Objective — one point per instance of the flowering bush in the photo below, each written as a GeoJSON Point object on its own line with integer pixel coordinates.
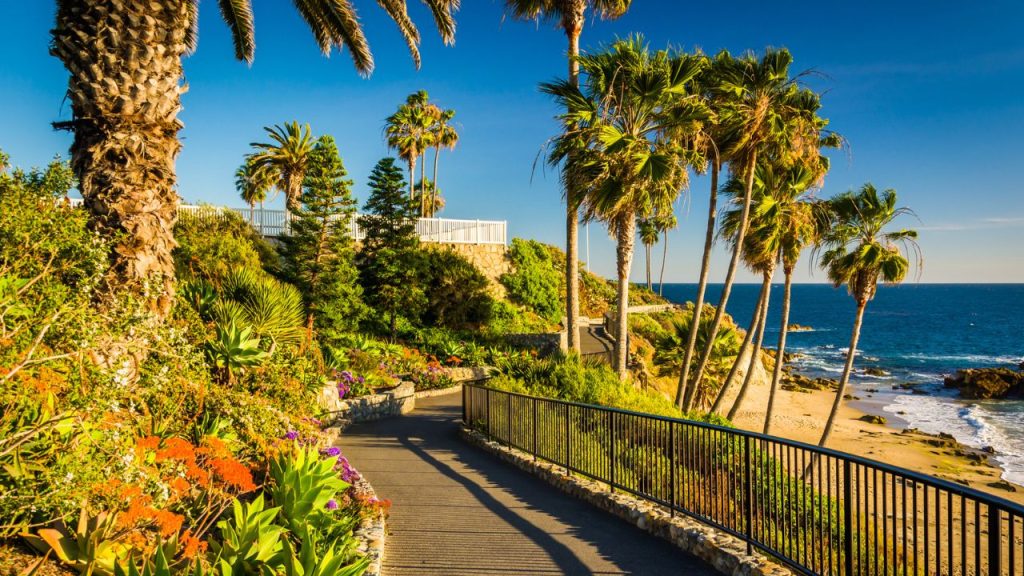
{"type": "Point", "coordinates": [431, 377]}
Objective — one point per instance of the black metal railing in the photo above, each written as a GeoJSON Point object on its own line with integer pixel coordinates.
{"type": "Point", "coordinates": [816, 510]}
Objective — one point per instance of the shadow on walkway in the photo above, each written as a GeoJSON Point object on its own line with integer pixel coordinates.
{"type": "Point", "coordinates": [459, 510]}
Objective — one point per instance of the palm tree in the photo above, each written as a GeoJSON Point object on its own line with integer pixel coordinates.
{"type": "Point", "coordinates": [670, 350]}
{"type": "Point", "coordinates": [797, 217]}
{"type": "Point", "coordinates": [761, 110]}
{"type": "Point", "coordinates": [285, 159]}
{"type": "Point", "coordinates": [648, 237]}
{"type": "Point", "coordinates": [444, 136]}
{"type": "Point", "coordinates": [621, 146]}
{"type": "Point", "coordinates": [860, 253]}
{"type": "Point", "coordinates": [409, 131]}
{"type": "Point", "coordinates": [570, 16]}
{"type": "Point", "coordinates": [253, 185]}
{"type": "Point", "coordinates": [663, 223]}
{"type": "Point", "coordinates": [124, 60]}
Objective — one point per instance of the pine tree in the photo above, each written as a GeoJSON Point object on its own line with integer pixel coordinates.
{"type": "Point", "coordinates": [319, 254]}
{"type": "Point", "coordinates": [388, 260]}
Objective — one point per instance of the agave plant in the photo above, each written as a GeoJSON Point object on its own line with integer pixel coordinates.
{"type": "Point", "coordinates": [304, 485]}
{"type": "Point", "coordinates": [250, 541]}
{"type": "Point", "coordinates": [201, 295]}
{"type": "Point", "coordinates": [314, 559]}
{"type": "Point", "coordinates": [233, 350]}
{"type": "Point", "coordinates": [90, 549]}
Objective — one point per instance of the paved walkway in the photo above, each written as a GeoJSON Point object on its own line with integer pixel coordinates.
{"type": "Point", "coordinates": [458, 510]}
{"type": "Point", "coordinates": [595, 343]}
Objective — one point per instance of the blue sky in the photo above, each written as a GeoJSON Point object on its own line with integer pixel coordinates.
{"type": "Point", "coordinates": [930, 96]}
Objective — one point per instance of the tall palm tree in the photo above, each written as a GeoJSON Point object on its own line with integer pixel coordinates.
{"type": "Point", "coordinates": [285, 159]}
{"type": "Point", "coordinates": [253, 185]}
{"type": "Point", "coordinates": [569, 15]}
{"type": "Point", "coordinates": [859, 252]}
{"type": "Point", "coordinates": [620, 146]}
{"type": "Point", "coordinates": [444, 136]}
{"type": "Point", "coordinates": [670, 350]}
{"type": "Point", "coordinates": [409, 131]}
{"type": "Point", "coordinates": [648, 237]}
{"type": "Point", "coordinates": [762, 110]}
{"type": "Point", "coordinates": [797, 217]}
{"type": "Point", "coordinates": [663, 223]}
{"type": "Point", "coordinates": [124, 60]}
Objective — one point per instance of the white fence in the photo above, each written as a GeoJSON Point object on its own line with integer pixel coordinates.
{"type": "Point", "coordinates": [443, 230]}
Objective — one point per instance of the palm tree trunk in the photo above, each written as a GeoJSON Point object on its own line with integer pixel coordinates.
{"type": "Point", "coordinates": [684, 397]}
{"type": "Point", "coordinates": [730, 275]}
{"type": "Point", "coordinates": [623, 263]}
{"type": "Point", "coordinates": [125, 102]}
{"type": "Point", "coordinates": [423, 185]}
{"type": "Point", "coordinates": [862, 304]}
{"type": "Point", "coordinates": [756, 353]}
{"type": "Point", "coordinates": [780, 351]}
{"type": "Point", "coordinates": [573, 26]}
{"type": "Point", "coordinates": [664, 256]}
{"type": "Point", "coordinates": [412, 177]}
{"type": "Point", "coordinates": [433, 191]}
{"type": "Point", "coordinates": [755, 322]}
{"type": "Point", "coordinates": [647, 251]}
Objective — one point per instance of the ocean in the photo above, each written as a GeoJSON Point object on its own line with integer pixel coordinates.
{"type": "Point", "coordinates": [916, 333]}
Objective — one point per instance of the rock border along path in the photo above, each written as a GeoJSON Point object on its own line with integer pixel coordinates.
{"type": "Point", "coordinates": [459, 510]}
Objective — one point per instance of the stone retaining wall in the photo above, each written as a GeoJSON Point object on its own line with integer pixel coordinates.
{"type": "Point", "coordinates": [371, 533]}
{"type": "Point", "coordinates": [725, 553]}
{"type": "Point", "coordinates": [398, 400]}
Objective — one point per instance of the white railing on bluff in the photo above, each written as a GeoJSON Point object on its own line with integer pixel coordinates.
{"type": "Point", "coordinates": [443, 230]}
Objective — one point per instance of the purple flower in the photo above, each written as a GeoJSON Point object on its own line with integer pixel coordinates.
{"type": "Point", "coordinates": [331, 452]}
{"type": "Point", "coordinates": [291, 435]}
{"type": "Point", "coordinates": [332, 504]}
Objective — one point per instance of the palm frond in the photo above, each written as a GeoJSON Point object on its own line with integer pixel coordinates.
{"type": "Point", "coordinates": [238, 16]}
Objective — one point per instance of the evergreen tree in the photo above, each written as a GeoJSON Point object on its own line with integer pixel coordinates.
{"type": "Point", "coordinates": [319, 254]}
{"type": "Point", "coordinates": [388, 261]}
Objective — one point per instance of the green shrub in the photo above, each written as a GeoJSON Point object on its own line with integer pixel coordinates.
{"type": "Point", "coordinates": [535, 281]}
{"type": "Point", "coordinates": [213, 242]}
{"type": "Point", "coordinates": [456, 291]}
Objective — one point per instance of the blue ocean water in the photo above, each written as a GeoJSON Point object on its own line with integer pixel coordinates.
{"type": "Point", "coordinates": [916, 333]}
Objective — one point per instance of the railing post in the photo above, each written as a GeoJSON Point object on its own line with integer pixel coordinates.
{"type": "Point", "coordinates": [477, 231]}
{"type": "Point", "coordinates": [995, 540]}
{"type": "Point", "coordinates": [672, 468]}
{"type": "Point", "coordinates": [568, 442]}
{"type": "Point", "coordinates": [465, 414]}
{"type": "Point", "coordinates": [611, 449]}
{"type": "Point", "coordinates": [847, 518]}
{"type": "Point", "coordinates": [748, 505]}
{"type": "Point", "coordinates": [508, 440]}
{"type": "Point", "coordinates": [534, 428]}
{"type": "Point", "coordinates": [487, 413]}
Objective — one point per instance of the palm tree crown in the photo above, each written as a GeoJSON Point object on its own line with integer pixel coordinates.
{"type": "Point", "coordinates": [285, 159]}
{"type": "Point", "coordinates": [858, 251]}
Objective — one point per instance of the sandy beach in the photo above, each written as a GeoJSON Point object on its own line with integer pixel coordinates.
{"type": "Point", "coordinates": [801, 416]}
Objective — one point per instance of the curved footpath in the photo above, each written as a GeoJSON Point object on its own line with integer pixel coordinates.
{"type": "Point", "coordinates": [459, 510]}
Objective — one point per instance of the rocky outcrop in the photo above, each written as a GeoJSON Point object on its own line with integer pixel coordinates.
{"type": "Point", "coordinates": [799, 328]}
{"type": "Point", "coordinates": [988, 383]}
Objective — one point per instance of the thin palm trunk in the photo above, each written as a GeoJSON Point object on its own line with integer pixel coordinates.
{"type": "Point", "coordinates": [423, 185]}
{"type": "Point", "coordinates": [124, 104]}
{"type": "Point", "coordinates": [664, 256]}
{"type": "Point", "coordinates": [433, 191]}
{"type": "Point", "coordinates": [412, 176]}
{"type": "Point", "coordinates": [730, 275]}
{"type": "Point", "coordinates": [755, 354]}
{"type": "Point", "coordinates": [850, 355]}
{"type": "Point", "coordinates": [747, 339]}
{"type": "Point", "coordinates": [572, 257]}
{"type": "Point", "coordinates": [647, 251]}
{"type": "Point", "coordinates": [684, 397]}
{"type": "Point", "coordinates": [624, 262]}
{"type": "Point", "coordinates": [780, 352]}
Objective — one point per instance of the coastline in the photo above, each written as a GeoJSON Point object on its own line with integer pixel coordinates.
{"type": "Point", "coordinates": [801, 415]}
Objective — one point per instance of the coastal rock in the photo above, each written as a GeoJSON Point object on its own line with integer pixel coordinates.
{"type": "Point", "coordinates": [1003, 485]}
{"type": "Point", "coordinates": [875, 372]}
{"type": "Point", "coordinates": [800, 328]}
{"type": "Point", "coordinates": [987, 383]}
{"type": "Point", "coordinates": [872, 419]}
{"type": "Point", "coordinates": [801, 383]}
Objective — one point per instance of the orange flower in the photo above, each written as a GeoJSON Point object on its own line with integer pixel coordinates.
{"type": "Point", "coordinates": [167, 522]}
{"type": "Point", "coordinates": [147, 443]}
{"type": "Point", "coordinates": [192, 546]}
{"type": "Point", "coordinates": [233, 473]}
{"type": "Point", "coordinates": [215, 447]}
{"type": "Point", "coordinates": [176, 449]}
{"type": "Point", "coordinates": [179, 485]}
{"type": "Point", "coordinates": [200, 476]}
